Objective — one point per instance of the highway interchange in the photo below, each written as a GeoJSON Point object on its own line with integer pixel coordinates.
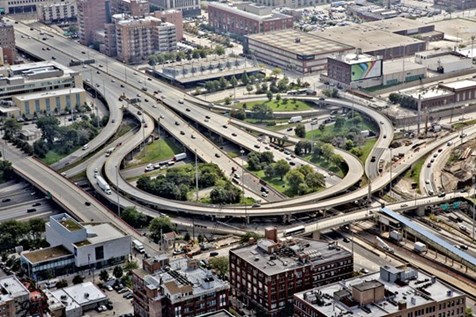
{"type": "Point", "coordinates": [107, 70]}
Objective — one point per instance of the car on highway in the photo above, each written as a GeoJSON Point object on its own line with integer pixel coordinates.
{"type": "Point", "coordinates": [233, 134]}
{"type": "Point", "coordinates": [427, 181]}
{"type": "Point", "coordinates": [267, 148]}
{"type": "Point", "coordinates": [403, 205]}
{"type": "Point", "coordinates": [87, 203]}
{"type": "Point", "coordinates": [187, 109]}
{"type": "Point", "coordinates": [100, 65]}
{"type": "Point", "coordinates": [440, 150]}
{"type": "Point", "coordinates": [217, 155]}
{"type": "Point", "coordinates": [177, 123]}
{"type": "Point", "coordinates": [428, 165]}
{"type": "Point", "coordinates": [207, 117]}
{"type": "Point", "coordinates": [83, 52]}
{"type": "Point", "coordinates": [182, 133]}
{"type": "Point", "coordinates": [435, 155]}
{"type": "Point", "coordinates": [6, 200]}
{"type": "Point", "coordinates": [85, 147]}
{"type": "Point", "coordinates": [36, 204]}
{"type": "Point", "coordinates": [463, 247]}
{"type": "Point", "coordinates": [214, 253]}
{"type": "Point", "coordinates": [180, 101]}
{"type": "Point", "coordinates": [146, 100]}
{"type": "Point", "coordinates": [31, 210]}
{"type": "Point", "coordinates": [264, 194]}
{"type": "Point", "coordinates": [161, 117]}
{"type": "Point", "coordinates": [364, 271]}
{"type": "Point", "coordinates": [224, 126]}
{"type": "Point", "coordinates": [122, 86]}
{"type": "Point", "coordinates": [257, 146]}
{"type": "Point", "coordinates": [346, 240]}
{"type": "Point", "coordinates": [289, 129]}
{"type": "Point", "coordinates": [149, 79]}
{"type": "Point", "coordinates": [193, 136]}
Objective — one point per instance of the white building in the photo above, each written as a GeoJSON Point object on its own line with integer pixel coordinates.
{"type": "Point", "coordinates": [443, 62]}
{"type": "Point", "coordinates": [75, 246]}
{"type": "Point", "coordinates": [57, 11]}
{"type": "Point", "coordinates": [14, 297]}
{"type": "Point", "coordinates": [34, 78]}
{"type": "Point", "coordinates": [73, 301]}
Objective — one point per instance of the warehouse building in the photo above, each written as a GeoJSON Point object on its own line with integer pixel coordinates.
{"type": "Point", "coordinates": [294, 50]}
{"type": "Point", "coordinates": [268, 273]}
{"type": "Point", "coordinates": [443, 62]}
{"type": "Point", "coordinates": [389, 293]}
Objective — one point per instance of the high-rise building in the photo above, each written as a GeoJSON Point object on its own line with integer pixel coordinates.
{"type": "Point", "coordinates": [137, 39]}
{"type": "Point", "coordinates": [7, 44]}
{"type": "Point", "coordinates": [267, 274]}
{"type": "Point", "coordinates": [180, 287]}
{"type": "Point", "coordinates": [172, 16]}
{"type": "Point", "coordinates": [189, 8]}
{"type": "Point", "coordinates": [391, 292]}
{"type": "Point", "coordinates": [14, 297]}
{"type": "Point", "coordinates": [246, 18]}
{"type": "Point", "coordinates": [92, 15]}
{"type": "Point", "coordinates": [57, 11]}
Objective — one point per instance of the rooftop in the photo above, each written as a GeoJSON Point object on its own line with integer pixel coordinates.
{"type": "Point", "coordinates": [46, 254]}
{"type": "Point", "coordinates": [49, 93]}
{"type": "Point", "coordinates": [397, 65]}
{"type": "Point", "coordinates": [221, 313]}
{"type": "Point", "coordinates": [462, 84]}
{"type": "Point", "coordinates": [19, 68]}
{"type": "Point", "coordinates": [288, 258]}
{"type": "Point", "coordinates": [396, 24]}
{"type": "Point", "coordinates": [299, 43]}
{"type": "Point", "coordinates": [353, 58]}
{"type": "Point", "coordinates": [429, 93]}
{"type": "Point", "coordinates": [82, 294]}
{"type": "Point", "coordinates": [102, 232]}
{"type": "Point", "coordinates": [419, 289]}
{"type": "Point", "coordinates": [250, 11]}
{"type": "Point", "coordinates": [11, 287]}
{"type": "Point", "coordinates": [366, 38]}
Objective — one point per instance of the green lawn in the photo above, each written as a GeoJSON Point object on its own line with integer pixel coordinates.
{"type": "Point", "coordinates": [52, 157]}
{"type": "Point", "coordinates": [414, 172]}
{"type": "Point", "coordinates": [281, 106]}
{"type": "Point", "coordinates": [330, 131]}
{"type": "Point", "coordinates": [326, 165]}
{"type": "Point", "coordinates": [460, 125]}
{"type": "Point", "coordinates": [366, 149]}
{"type": "Point", "coordinates": [276, 183]}
{"type": "Point", "coordinates": [159, 150]}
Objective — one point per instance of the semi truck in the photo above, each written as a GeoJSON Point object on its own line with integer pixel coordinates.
{"type": "Point", "coordinates": [180, 156]}
{"type": "Point", "coordinates": [295, 119]}
{"type": "Point", "coordinates": [420, 247]}
{"type": "Point", "coordinates": [103, 184]}
{"type": "Point", "coordinates": [136, 244]}
{"type": "Point", "coordinates": [384, 245]}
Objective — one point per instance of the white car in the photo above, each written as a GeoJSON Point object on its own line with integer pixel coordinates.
{"type": "Point", "coordinates": [149, 167]}
{"type": "Point", "coordinates": [180, 101]}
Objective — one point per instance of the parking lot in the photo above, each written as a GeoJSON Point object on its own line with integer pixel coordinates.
{"type": "Point", "coordinates": [121, 305]}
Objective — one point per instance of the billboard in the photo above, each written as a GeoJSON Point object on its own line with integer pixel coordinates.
{"type": "Point", "coordinates": [366, 70]}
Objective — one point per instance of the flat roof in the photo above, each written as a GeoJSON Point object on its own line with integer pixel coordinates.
{"type": "Point", "coordinates": [250, 15]}
{"type": "Point", "coordinates": [397, 66]}
{"type": "Point", "coordinates": [11, 287]}
{"type": "Point", "coordinates": [29, 66]}
{"type": "Point", "coordinates": [428, 93]}
{"type": "Point", "coordinates": [309, 43]}
{"type": "Point", "coordinates": [317, 250]}
{"type": "Point", "coordinates": [46, 254]}
{"type": "Point", "coordinates": [462, 84]}
{"type": "Point", "coordinates": [368, 39]}
{"type": "Point", "coordinates": [102, 232]}
{"type": "Point", "coordinates": [85, 293]}
{"type": "Point", "coordinates": [430, 236]}
{"type": "Point", "coordinates": [220, 313]}
{"type": "Point", "coordinates": [462, 28]}
{"type": "Point", "coordinates": [407, 292]}
{"type": "Point", "coordinates": [49, 93]}
{"type": "Point", "coordinates": [397, 24]}
{"type": "Point", "coordinates": [353, 58]}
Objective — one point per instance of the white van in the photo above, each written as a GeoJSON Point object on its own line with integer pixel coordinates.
{"type": "Point", "coordinates": [85, 147]}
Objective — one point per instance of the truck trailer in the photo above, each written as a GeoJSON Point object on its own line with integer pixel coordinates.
{"type": "Point", "coordinates": [180, 156]}
{"type": "Point", "coordinates": [103, 184]}
{"type": "Point", "coordinates": [136, 244]}
{"type": "Point", "coordinates": [295, 119]}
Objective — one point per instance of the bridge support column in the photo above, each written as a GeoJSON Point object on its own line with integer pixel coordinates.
{"type": "Point", "coordinates": [316, 235]}
{"type": "Point", "coordinates": [420, 211]}
{"type": "Point", "coordinates": [247, 219]}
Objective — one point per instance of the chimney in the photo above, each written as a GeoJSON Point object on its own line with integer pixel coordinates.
{"type": "Point", "coordinates": [402, 305]}
{"type": "Point", "coordinates": [271, 233]}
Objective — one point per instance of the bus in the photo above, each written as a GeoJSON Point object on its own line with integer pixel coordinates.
{"type": "Point", "coordinates": [294, 231]}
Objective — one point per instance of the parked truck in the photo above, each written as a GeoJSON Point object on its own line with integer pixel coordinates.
{"type": "Point", "coordinates": [295, 119]}
{"type": "Point", "coordinates": [103, 184]}
{"type": "Point", "coordinates": [136, 244]}
{"type": "Point", "coordinates": [420, 247]}
{"type": "Point", "coordinates": [180, 156]}
{"type": "Point", "coordinates": [395, 235]}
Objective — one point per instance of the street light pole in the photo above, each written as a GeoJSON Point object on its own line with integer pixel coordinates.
{"type": "Point", "coordinates": [391, 163]}
{"type": "Point", "coordinates": [242, 152]}
{"type": "Point", "coordinates": [196, 172]}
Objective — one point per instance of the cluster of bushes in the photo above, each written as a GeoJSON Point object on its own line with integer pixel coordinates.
{"type": "Point", "coordinates": [403, 100]}
{"type": "Point", "coordinates": [190, 54]}
{"type": "Point", "coordinates": [28, 234]}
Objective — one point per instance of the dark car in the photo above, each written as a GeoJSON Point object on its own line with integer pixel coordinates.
{"type": "Point", "coordinates": [213, 253]}
{"type": "Point", "coordinates": [122, 86]}
{"type": "Point", "coordinates": [6, 200]}
{"type": "Point", "coordinates": [87, 203]}
{"type": "Point", "coordinates": [177, 123]}
{"type": "Point", "coordinates": [31, 210]}
{"type": "Point", "coordinates": [36, 204]}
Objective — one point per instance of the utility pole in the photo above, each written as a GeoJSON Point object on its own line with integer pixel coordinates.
{"type": "Point", "coordinates": [196, 172]}
{"type": "Point", "coordinates": [117, 192]}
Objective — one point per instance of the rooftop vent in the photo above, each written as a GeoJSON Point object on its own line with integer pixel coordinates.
{"type": "Point", "coordinates": [297, 40]}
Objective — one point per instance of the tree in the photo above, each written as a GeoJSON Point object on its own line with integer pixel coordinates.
{"type": "Point", "coordinates": [394, 97]}
{"type": "Point", "coordinates": [220, 264]}
{"type": "Point", "coordinates": [152, 60]}
{"type": "Point", "coordinates": [262, 111]}
{"type": "Point", "coordinates": [294, 178]}
{"type": "Point", "coordinates": [254, 161]}
{"type": "Point", "coordinates": [72, 29]}
{"type": "Point", "coordinates": [327, 150]}
{"type": "Point", "coordinates": [249, 88]}
{"type": "Point", "coordinates": [186, 237]}
{"type": "Point", "coordinates": [223, 83]}
{"type": "Point", "coordinates": [339, 123]}
{"type": "Point", "coordinates": [248, 235]}
{"type": "Point", "coordinates": [131, 265]}
{"type": "Point", "coordinates": [269, 171]}
{"type": "Point", "coordinates": [283, 84]}
{"type": "Point", "coordinates": [233, 81]}
{"type": "Point", "coordinates": [160, 225]}
{"type": "Point", "coordinates": [281, 168]}
{"type": "Point", "coordinates": [276, 72]}
{"type": "Point", "coordinates": [118, 272]}
{"type": "Point", "coordinates": [77, 279]}
{"type": "Point", "coordinates": [49, 127]}
{"type": "Point", "coordinates": [61, 284]}
{"type": "Point", "coordinates": [245, 79]}
{"type": "Point", "coordinates": [134, 218]}
{"type": "Point", "coordinates": [11, 127]}
{"type": "Point", "coordinates": [219, 50]}
{"type": "Point", "coordinates": [278, 97]}
{"type": "Point", "coordinates": [227, 100]}
{"type": "Point", "coordinates": [300, 130]}
{"type": "Point", "coordinates": [269, 95]}
{"type": "Point", "coordinates": [103, 275]}
{"type": "Point", "coordinates": [331, 93]}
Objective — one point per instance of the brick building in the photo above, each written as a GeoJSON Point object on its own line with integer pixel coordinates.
{"type": "Point", "coordinates": [91, 17]}
{"type": "Point", "coordinates": [449, 94]}
{"type": "Point", "coordinates": [267, 274]}
{"type": "Point", "coordinates": [7, 44]}
{"type": "Point", "coordinates": [391, 292]}
{"type": "Point", "coordinates": [172, 16]}
{"type": "Point", "coordinates": [180, 287]}
{"type": "Point", "coordinates": [246, 18]}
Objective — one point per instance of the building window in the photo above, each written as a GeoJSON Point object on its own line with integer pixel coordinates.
{"type": "Point", "coordinates": [99, 253]}
{"type": "Point", "coordinates": [48, 105]}
{"type": "Point", "coordinates": [27, 107]}
{"type": "Point", "coordinates": [37, 106]}
{"type": "Point", "coordinates": [58, 103]}
{"type": "Point", "coordinates": [78, 99]}
{"type": "Point", "coordinates": [68, 101]}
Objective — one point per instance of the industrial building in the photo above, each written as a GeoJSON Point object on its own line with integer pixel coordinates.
{"type": "Point", "coordinates": [177, 288]}
{"type": "Point", "coordinates": [189, 74]}
{"type": "Point", "coordinates": [74, 301]}
{"type": "Point", "coordinates": [371, 12]}
{"type": "Point", "coordinates": [189, 8]}
{"type": "Point", "coordinates": [14, 297]}
{"type": "Point", "coordinates": [246, 18]}
{"type": "Point", "coordinates": [447, 94]}
{"type": "Point", "coordinates": [388, 293]}
{"type": "Point", "coordinates": [268, 273]}
{"type": "Point", "coordinates": [455, 4]}
{"type": "Point", "coordinates": [75, 246]}
{"type": "Point", "coordinates": [355, 70]}
{"type": "Point", "coordinates": [23, 84]}
{"type": "Point", "coordinates": [294, 50]}
{"type": "Point", "coordinates": [8, 51]}
{"type": "Point", "coordinates": [443, 62]}
{"type": "Point", "coordinates": [57, 11]}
